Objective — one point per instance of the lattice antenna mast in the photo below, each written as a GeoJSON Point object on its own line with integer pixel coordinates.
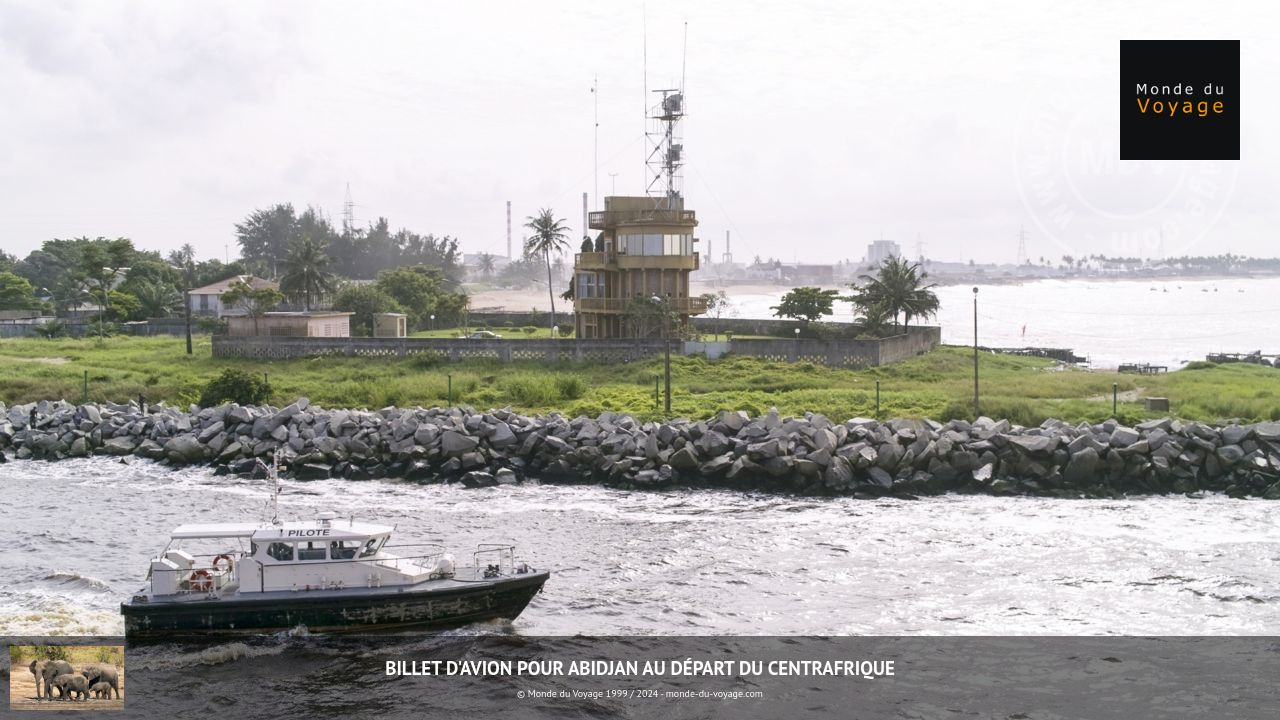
{"type": "Point", "coordinates": [348, 213]}
{"type": "Point", "coordinates": [666, 152]}
{"type": "Point", "coordinates": [1022, 246]}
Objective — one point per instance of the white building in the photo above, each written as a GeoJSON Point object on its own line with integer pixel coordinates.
{"type": "Point", "coordinates": [880, 250]}
{"type": "Point", "coordinates": [207, 300]}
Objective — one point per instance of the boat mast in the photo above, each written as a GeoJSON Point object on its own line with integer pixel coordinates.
{"type": "Point", "coordinates": [273, 474]}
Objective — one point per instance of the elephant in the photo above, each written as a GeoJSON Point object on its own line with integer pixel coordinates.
{"type": "Point", "coordinates": [95, 674]}
{"type": "Point", "coordinates": [101, 691]}
{"type": "Point", "coordinates": [70, 684]}
{"type": "Point", "coordinates": [45, 672]}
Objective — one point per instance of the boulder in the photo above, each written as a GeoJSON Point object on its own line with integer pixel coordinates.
{"type": "Point", "coordinates": [454, 443]}
{"type": "Point", "coordinates": [119, 445]}
{"type": "Point", "coordinates": [184, 448]}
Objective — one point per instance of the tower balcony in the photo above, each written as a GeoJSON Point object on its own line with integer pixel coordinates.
{"type": "Point", "coordinates": [680, 305]}
{"type": "Point", "coordinates": [615, 261]}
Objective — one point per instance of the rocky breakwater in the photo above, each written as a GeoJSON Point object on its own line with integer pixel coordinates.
{"type": "Point", "coordinates": [809, 454]}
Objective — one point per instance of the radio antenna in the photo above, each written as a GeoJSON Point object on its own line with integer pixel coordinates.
{"type": "Point", "coordinates": [684, 55]}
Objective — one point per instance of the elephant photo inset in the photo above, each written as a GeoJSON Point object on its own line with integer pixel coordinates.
{"type": "Point", "coordinates": [66, 677]}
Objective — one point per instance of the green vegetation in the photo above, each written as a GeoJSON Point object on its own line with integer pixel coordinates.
{"type": "Point", "coordinates": [77, 654]}
{"type": "Point", "coordinates": [896, 289]}
{"type": "Point", "coordinates": [549, 236]}
{"type": "Point", "coordinates": [806, 304]}
{"type": "Point", "coordinates": [237, 386]}
{"type": "Point", "coordinates": [937, 385]}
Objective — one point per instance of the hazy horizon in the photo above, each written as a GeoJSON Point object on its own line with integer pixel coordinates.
{"type": "Point", "coordinates": [813, 128]}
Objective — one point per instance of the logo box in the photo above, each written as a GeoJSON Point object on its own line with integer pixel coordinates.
{"type": "Point", "coordinates": [1179, 99]}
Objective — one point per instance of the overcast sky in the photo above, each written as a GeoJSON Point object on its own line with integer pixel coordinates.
{"type": "Point", "coordinates": [813, 127]}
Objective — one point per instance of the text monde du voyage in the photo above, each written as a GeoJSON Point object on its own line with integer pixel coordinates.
{"type": "Point", "coordinates": [1180, 100]}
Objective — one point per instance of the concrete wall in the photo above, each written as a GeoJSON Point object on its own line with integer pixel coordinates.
{"type": "Point", "coordinates": [280, 348]}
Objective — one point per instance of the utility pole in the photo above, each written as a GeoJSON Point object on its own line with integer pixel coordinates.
{"type": "Point", "coordinates": [509, 256]}
{"type": "Point", "coordinates": [976, 412]}
{"type": "Point", "coordinates": [664, 304]}
{"type": "Point", "coordinates": [187, 308]}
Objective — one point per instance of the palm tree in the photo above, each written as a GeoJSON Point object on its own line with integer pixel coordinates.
{"type": "Point", "coordinates": [486, 264]}
{"type": "Point", "coordinates": [549, 235]}
{"type": "Point", "coordinates": [159, 300]}
{"type": "Point", "coordinates": [182, 257]}
{"type": "Point", "coordinates": [896, 290]}
{"type": "Point", "coordinates": [306, 273]}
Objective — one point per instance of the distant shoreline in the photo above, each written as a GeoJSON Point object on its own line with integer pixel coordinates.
{"type": "Point", "coordinates": [498, 300]}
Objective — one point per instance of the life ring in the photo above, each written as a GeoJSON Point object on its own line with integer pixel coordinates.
{"type": "Point", "coordinates": [201, 581]}
{"type": "Point", "coordinates": [220, 558]}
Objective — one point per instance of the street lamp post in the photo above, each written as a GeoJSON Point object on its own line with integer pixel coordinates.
{"type": "Point", "coordinates": [796, 347]}
{"type": "Point", "coordinates": [666, 354]}
{"type": "Point", "coordinates": [433, 323]}
{"type": "Point", "coordinates": [976, 412]}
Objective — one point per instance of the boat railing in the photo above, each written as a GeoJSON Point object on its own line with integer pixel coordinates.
{"type": "Point", "coordinates": [402, 563]}
{"type": "Point", "coordinates": [494, 555]}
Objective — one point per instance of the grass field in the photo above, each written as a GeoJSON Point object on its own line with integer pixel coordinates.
{"type": "Point", "coordinates": [937, 385]}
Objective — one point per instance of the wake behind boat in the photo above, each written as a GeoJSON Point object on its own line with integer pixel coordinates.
{"type": "Point", "coordinates": [327, 574]}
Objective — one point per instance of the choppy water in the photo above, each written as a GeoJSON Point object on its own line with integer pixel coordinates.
{"type": "Point", "coordinates": [79, 533]}
{"type": "Point", "coordinates": [1163, 322]}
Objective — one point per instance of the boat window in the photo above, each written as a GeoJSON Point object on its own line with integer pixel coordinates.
{"type": "Point", "coordinates": [310, 552]}
{"type": "Point", "coordinates": [343, 549]}
{"type": "Point", "coordinates": [280, 551]}
{"type": "Point", "coordinates": [371, 547]}
{"type": "Point", "coordinates": [253, 548]}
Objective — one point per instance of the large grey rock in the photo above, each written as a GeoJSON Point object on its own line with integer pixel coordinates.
{"type": "Point", "coordinates": [184, 448]}
{"type": "Point", "coordinates": [454, 443]}
{"type": "Point", "coordinates": [1082, 467]}
{"type": "Point", "coordinates": [120, 445]}
{"type": "Point", "coordinates": [1124, 437]}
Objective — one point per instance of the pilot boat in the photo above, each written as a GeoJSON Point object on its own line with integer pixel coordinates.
{"type": "Point", "coordinates": [327, 574]}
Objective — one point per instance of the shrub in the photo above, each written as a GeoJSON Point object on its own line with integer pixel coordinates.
{"type": "Point", "coordinates": [236, 386]}
{"type": "Point", "coordinates": [101, 328]}
{"type": "Point", "coordinates": [570, 387]}
{"type": "Point", "coordinates": [1200, 365]}
{"type": "Point", "coordinates": [50, 330]}
{"type": "Point", "coordinates": [211, 325]}
{"type": "Point", "coordinates": [529, 330]}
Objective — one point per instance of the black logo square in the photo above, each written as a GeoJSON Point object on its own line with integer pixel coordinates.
{"type": "Point", "coordinates": [1179, 99]}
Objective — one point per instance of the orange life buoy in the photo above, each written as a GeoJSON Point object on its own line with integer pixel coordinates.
{"type": "Point", "coordinates": [201, 581]}
{"type": "Point", "coordinates": [220, 558]}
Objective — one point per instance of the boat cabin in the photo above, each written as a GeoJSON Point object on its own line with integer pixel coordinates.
{"type": "Point", "coordinates": [325, 553]}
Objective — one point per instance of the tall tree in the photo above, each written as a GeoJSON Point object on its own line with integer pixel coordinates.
{"type": "Point", "coordinates": [255, 302]}
{"type": "Point", "coordinates": [16, 293]}
{"type": "Point", "coordinates": [306, 271]}
{"type": "Point", "coordinates": [549, 236]}
{"type": "Point", "coordinates": [421, 291]}
{"type": "Point", "coordinates": [718, 306]}
{"type": "Point", "coordinates": [157, 300]}
{"type": "Point", "coordinates": [806, 304]}
{"type": "Point", "coordinates": [183, 256]}
{"type": "Point", "coordinates": [264, 236]}
{"type": "Point", "coordinates": [100, 269]}
{"type": "Point", "coordinates": [366, 301]}
{"type": "Point", "coordinates": [898, 288]}
{"type": "Point", "coordinates": [486, 264]}
{"type": "Point", "coordinates": [7, 261]}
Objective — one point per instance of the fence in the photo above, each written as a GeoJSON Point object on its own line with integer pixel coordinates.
{"type": "Point", "coordinates": [280, 348]}
{"type": "Point", "coordinates": [836, 353]}
{"type": "Point", "coordinates": [80, 329]}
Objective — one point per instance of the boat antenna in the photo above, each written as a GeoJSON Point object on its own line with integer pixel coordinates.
{"type": "Point", "coordinates": [273, 473]}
